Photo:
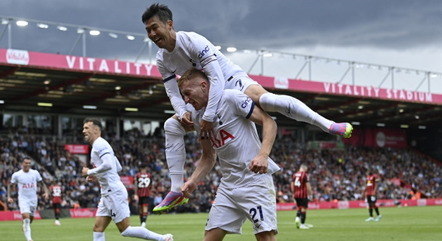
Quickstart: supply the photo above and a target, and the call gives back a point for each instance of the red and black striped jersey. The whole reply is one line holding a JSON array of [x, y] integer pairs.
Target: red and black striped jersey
[[300, 180], [370, 187], [142, 182], [56, 193]]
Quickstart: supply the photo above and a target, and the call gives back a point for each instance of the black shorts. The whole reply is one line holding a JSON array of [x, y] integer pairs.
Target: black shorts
[[302, 202], [56, 205], [371, 200], [143, 200]]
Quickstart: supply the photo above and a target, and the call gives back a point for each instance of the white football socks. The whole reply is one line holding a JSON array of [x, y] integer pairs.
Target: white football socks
[[175, 152], [99, 236], [294, 109], [27, 228], [140, 232]]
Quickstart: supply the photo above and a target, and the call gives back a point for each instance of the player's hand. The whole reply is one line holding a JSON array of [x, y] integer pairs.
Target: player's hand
[[90, 179], [206, 129], [186, 120], [188, 187], [259, 164], [136, 197], [46, 195], [84, 171], [10, 200]]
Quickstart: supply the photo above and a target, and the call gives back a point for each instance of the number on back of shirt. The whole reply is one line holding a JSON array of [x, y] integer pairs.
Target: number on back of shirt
[[297, 182], [143, 182]]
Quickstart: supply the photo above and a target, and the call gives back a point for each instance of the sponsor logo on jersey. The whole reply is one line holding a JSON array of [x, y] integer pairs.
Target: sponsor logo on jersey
[[219, 140], [246, 102], [203, 52]]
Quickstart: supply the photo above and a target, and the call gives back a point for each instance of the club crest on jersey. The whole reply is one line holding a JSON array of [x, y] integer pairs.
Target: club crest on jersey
[[220, 140], [203, 52]]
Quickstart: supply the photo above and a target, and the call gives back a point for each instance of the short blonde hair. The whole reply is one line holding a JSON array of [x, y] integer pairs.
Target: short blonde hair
[[191, 74]]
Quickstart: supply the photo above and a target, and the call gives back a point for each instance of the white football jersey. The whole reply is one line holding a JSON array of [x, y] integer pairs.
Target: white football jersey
[[109, 180], [236, 140], [191, 51], [27, 183]]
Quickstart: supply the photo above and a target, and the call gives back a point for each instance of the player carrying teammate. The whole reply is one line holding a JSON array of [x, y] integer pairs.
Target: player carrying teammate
[[26, 180], [142, 183], [180, 51], [246, 190], [301, 190], [113, 204], [370, 194], [56, 201]]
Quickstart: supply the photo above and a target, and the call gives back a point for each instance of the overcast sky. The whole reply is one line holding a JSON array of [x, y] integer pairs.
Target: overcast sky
[[404, 33]]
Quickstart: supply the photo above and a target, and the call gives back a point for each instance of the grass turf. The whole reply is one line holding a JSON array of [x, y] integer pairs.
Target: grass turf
[[402, 224]]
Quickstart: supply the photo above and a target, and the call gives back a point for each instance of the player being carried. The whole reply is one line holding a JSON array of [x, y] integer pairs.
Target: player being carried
[[370, 195], [56, 191], [301, 189], [142, 183], [180, 51], [26, 180], [113, 203], [246, 190]]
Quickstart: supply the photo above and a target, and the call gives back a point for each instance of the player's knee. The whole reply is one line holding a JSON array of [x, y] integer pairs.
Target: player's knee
[[266, 236], [255, 92], [267, 101], [98, 228], [173, 127]]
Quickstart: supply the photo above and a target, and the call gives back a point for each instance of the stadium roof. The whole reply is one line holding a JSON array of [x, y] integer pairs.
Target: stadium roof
[[88, 86]]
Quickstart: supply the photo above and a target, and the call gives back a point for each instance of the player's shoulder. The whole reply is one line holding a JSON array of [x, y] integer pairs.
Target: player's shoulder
[[232, 94], [17, 173], [188, 36], [100, 143]]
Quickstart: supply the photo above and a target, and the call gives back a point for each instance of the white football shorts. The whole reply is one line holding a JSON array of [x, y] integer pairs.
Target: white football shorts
[[114, 205], [256, 202], [27, 206], [239, 82]]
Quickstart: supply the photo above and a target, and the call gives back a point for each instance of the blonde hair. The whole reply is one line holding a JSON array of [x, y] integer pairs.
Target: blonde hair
[[191, 74]]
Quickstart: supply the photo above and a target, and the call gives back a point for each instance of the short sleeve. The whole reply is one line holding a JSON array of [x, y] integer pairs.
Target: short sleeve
[[39, 178], [241, 103], [14, 178]]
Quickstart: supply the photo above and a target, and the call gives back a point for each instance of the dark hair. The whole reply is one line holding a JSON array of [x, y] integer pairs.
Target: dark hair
[[26, 158], [94, 121], [162, 11]]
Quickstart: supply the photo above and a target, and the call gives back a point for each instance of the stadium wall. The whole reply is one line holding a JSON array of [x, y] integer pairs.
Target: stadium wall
[[90, 212]]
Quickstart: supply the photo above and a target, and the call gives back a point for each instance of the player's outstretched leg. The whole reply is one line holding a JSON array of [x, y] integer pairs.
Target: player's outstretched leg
[[175, 156], [140, 232], [295, 109]]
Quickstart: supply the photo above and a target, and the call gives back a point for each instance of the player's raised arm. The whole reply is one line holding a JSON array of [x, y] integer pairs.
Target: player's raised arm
[[205, 164], [259, 164]]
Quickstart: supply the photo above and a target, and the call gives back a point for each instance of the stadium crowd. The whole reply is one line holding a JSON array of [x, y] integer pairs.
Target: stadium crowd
[[334, 174]]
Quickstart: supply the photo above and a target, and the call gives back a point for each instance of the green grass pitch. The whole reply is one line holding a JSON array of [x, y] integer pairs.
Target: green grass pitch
[[402, 224]]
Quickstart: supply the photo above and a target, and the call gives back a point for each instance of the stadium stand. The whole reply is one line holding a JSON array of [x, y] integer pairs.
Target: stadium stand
[[336, 174]]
